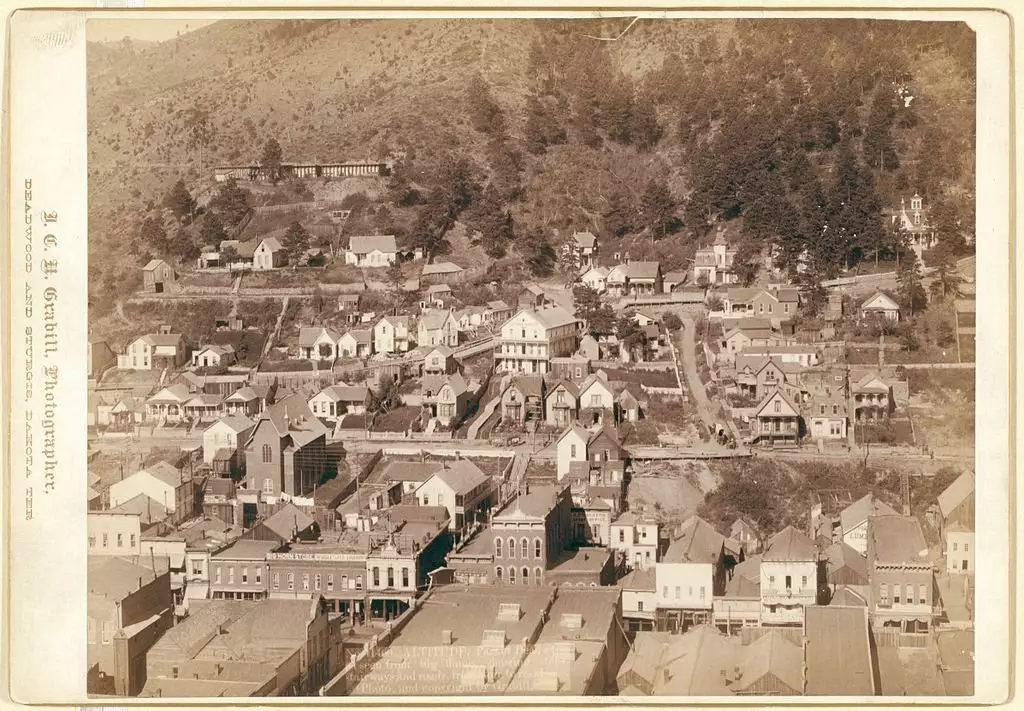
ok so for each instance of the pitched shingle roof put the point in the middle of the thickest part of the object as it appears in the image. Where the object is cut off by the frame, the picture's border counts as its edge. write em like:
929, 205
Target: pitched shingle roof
956, 493
790, 545
364, 244
461, 475
696, 542
441, 268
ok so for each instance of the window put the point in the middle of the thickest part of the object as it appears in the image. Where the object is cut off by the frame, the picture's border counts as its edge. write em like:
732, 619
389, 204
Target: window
785, 307
440, 499
537, 575
771, 581
789, 582
259, 575
268, 486
896, 594
922, 594
231, 575
426, 499
511, 548
595, 401
883, 595
497, 573
622, 535
291, 581
316, 581
216, 576
678, 592
106, 539
639, 605
511, 576
536, 547
359, 582
92, 541
572, 451
835, 409
524, 549
92, 631
376, 577
391, 577
778, 406
497, 547
245, 575
277, 581
105, 632
330, 581
267, 453
405, 577
579, 372
120, 540
822, 411
955, 545
703, 592
664, 591
689, 593
967, 547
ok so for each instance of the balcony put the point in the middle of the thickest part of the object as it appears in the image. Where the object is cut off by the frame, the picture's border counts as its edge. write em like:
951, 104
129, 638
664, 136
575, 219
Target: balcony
788, 595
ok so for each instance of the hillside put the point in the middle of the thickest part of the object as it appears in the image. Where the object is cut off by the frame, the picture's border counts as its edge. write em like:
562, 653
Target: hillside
568, 131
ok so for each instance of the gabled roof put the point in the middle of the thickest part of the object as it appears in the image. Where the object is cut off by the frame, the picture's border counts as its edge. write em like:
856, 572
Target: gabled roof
956, 493
741, 293
434, 319
674, 277
553, 316
218, 349
897, 539
840, 555
442, 268
443, 350
461, 475
308, 335
597, 271
528, 385
577, 430
285, 417
243, 394
153, 264
639, 581
395, 320
867, 384
566, 385
438, 289
272, 244
435, 383
790, 545
697, 541
533, 289
776, 655
584, 239
364, 244
344, 393
164, 472
363, 336
643, 270
858, 512
498, 305
162, 339
770, 397
149, 510
288, 521
599, 378
880, 300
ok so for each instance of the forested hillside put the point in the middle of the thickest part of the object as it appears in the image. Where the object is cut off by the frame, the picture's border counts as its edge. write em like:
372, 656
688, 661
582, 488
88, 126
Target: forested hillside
791, 133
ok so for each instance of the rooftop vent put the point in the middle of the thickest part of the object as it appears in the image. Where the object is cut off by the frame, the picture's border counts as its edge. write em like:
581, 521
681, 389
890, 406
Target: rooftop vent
572, 620
509, 612
494, 639
565, 651
446, 637
474, 675
546, 682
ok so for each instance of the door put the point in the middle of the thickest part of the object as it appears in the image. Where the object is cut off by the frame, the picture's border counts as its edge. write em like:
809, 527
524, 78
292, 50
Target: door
964, 565
159, 287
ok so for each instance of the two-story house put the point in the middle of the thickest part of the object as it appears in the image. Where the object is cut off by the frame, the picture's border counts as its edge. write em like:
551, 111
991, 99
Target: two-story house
286, 453
446, 397
959, 542
463, 490
391, 334
956, 504
223, 444
789, 577
584, 248
154, 351
437, 327
872, 399
636, 537
597, 400
826, 417
371, 250
269, 254
239, 571
913, 222
594, 450
639, 600
596, 278
161, 483
522, 400
562, 403
533, 337
776, 421
757, 376
439, 360
900, 571
713, 264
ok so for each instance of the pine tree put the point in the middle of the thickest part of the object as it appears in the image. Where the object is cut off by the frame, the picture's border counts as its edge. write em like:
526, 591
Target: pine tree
211, 230
153, 235
908, 276
295, 242
879, 151
231, 202
179, 201
620, 215
271, 158
485, 113
658, 209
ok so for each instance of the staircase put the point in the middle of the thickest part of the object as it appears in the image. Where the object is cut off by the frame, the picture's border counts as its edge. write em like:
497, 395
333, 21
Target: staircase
489, 408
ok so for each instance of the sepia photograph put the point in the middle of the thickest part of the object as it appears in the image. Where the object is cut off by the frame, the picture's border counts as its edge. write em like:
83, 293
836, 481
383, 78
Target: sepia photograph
531, 357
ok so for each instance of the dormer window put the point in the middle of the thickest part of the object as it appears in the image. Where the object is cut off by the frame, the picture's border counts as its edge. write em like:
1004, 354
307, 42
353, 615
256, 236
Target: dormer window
915, 203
